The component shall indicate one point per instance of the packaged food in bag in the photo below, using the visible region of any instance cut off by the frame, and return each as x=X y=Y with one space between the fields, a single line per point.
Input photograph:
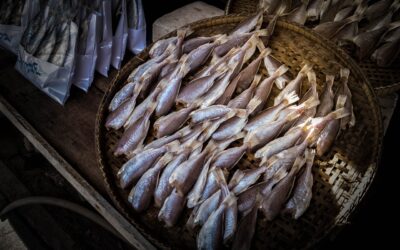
x=14 y=18
x=104 y=51
x=136 y=26
x=46 y=54
x=120 y=31
x=86 y=56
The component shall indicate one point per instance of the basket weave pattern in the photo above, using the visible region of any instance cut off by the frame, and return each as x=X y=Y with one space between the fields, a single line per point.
x=340 y=178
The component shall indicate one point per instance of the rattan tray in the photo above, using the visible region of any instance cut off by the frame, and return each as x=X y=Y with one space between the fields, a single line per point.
x=385 y=80
x=341 y=178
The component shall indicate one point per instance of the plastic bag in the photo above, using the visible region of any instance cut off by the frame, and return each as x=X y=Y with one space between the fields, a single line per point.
x=120 y=35
x=86 y=56
x=46 y=54
x=14 y=18
x=136 y=26
x=104 y=51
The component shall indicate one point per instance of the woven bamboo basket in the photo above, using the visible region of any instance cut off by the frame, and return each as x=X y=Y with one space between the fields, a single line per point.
x=385 y=80
x=341 y=177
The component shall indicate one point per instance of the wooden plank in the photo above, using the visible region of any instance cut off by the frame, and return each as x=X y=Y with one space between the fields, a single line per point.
x=130 y=233
x=69 y=129
x=37 y=217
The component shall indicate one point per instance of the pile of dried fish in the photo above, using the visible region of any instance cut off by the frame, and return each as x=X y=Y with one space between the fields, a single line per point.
x=371 y=29
x=210 y=105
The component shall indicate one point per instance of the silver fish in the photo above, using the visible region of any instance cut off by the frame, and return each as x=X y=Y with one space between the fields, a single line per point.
x=298 y=15
x=250 y=177
x=242 y=100
x=195 y=194
x=264 y=89
x=229 y=157
x=271 y=113
x=196 y=42
x=209 y=113
x=166 y=99
x=122 y=95
x=34 y=43
x=366 y=42
x=160 y=46
x=252 y=22
x=302 y=190
x=313 y=9
x=294 y=85
x=272 y=65
x=118 y=117
x=198 y=87
x=142 y=194
x=170 y=123
x=199 y=56
x=133 y=169
x=172 y=208
x=163 y=188
x=273 y=203
x=47 y=44
x=232 y=42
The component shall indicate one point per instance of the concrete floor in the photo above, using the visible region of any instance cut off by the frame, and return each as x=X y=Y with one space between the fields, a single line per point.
x=8 y=237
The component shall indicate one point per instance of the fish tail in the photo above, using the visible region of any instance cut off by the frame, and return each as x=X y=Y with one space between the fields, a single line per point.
x=329 y=81
x=241 y=113
x=173 y=146
x=264 y=52
x=311 y=102
x=340 y=113
x=312 y=78
x=290 y=98
x=261 y=47
x=310 y=155
x=256 y=81
x=306 y=68
x=341 y=101
x=344 y=73
x=293 y=115
x=281 y=70
x=253 y=104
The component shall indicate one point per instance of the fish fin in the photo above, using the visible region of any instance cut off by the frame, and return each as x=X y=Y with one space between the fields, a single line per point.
x=256 y=81
x=312 y=78
x=341 y=101
x=311 y=102
x=281 y=70
x=293 y=115
x=221 y=39
x=290 y=98
x=241 y=113
x=264 y=52
x=340 y=113
x=260 y=45
x=173 y=146
x=306 y=68
x=329 y=81
x=299 y=163
x=310 y=155
x=220 y=178
x=344 y=73
x=253 y=104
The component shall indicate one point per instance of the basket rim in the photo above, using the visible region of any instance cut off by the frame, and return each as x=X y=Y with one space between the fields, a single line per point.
x=100 y=116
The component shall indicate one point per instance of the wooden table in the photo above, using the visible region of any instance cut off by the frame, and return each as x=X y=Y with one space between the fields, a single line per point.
x=65 y=136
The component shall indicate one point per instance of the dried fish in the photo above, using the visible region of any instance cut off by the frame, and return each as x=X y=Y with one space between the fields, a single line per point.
x=160 y=46
x=327 y=97
x=117 y=118
x=199 y=56
x=142 y=194
x=273 y=203
x=367 y=41
x=195 y=194
x=163 y=189
x=314 y=9
x=264 y=89
x=252 y=22
x=133 y=169
x=250 y=177
x=172 y=208
x=212 y=112
x=294 y=85
x=298 y=15
x=196 y=42
x=198 y=87
x=47 y=44
x=302 y=190
x=272 y=65
x=229 y=157
x=271 y=113
x=376 y=9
